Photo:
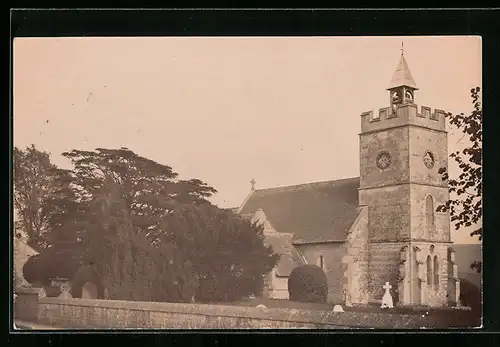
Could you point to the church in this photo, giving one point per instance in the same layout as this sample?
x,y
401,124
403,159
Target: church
x,y
379,227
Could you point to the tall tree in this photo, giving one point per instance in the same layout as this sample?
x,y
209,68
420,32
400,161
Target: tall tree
x,y
151,236
32,186
149,190
466,209
130,266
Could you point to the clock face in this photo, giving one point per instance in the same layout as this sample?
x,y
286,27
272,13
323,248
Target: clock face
x,y
383,160
429,160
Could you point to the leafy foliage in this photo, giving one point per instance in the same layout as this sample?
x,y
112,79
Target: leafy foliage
x,y
55,261
131,267
227,252
32,186
467,208
308,283
148,235
470,295
31,272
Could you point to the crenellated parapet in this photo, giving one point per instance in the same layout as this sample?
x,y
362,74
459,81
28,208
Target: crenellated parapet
x,y
407,114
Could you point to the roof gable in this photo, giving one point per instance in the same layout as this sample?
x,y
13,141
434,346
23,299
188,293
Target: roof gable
x,y
289,256
313,212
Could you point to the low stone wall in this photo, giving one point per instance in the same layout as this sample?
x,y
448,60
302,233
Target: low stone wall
x,y
90,313
26,303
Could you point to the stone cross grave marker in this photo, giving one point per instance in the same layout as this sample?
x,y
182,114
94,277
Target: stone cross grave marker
x,y
65,291
387,298
338,308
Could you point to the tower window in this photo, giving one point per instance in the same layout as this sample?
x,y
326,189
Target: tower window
x,y
436,273
429,211
429,270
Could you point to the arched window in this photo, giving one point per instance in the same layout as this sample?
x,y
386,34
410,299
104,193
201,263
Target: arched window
x,y
429,214
429,270
436,272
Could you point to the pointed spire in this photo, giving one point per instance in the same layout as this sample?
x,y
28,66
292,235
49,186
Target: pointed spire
x,y
402,76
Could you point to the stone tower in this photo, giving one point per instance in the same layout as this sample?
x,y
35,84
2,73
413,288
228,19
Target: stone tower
x,y
401,150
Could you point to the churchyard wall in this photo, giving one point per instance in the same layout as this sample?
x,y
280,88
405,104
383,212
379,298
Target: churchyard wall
x,y
90,313
26,303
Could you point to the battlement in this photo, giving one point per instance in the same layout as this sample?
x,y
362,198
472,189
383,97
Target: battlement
x,y
405,115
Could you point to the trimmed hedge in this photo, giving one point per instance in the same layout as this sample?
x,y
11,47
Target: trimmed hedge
x,y
52,262
308,283
31,272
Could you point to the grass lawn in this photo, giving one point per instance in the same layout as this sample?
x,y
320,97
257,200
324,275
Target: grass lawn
x,y
276,303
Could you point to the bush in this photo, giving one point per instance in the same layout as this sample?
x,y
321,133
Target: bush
x,y
227,253
470,295
31,271
52,262
308,283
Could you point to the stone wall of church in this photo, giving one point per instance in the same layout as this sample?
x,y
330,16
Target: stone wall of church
x,y
384,261
278,288
356,271
406,114
420,230
332,265
395,143
388,212
424,140
435,285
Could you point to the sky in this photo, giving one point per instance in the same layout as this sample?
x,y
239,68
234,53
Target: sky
x,y
226,110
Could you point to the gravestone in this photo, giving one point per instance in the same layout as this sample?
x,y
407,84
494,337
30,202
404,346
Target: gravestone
x,y
89,291
387,298
338,308
64,287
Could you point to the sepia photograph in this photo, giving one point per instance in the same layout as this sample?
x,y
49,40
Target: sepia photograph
x,y
247,182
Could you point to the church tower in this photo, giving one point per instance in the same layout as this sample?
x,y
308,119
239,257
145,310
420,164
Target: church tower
x,y
402,148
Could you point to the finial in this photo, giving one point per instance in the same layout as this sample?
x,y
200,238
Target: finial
x,y
402,48
253,183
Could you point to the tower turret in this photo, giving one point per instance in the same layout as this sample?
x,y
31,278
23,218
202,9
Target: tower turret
x,y
402,87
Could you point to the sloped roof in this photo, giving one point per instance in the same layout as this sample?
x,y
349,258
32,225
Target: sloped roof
x,y
289,256
402,76
313,212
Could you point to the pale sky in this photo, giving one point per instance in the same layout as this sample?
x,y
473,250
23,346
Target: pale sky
x,y
228,109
